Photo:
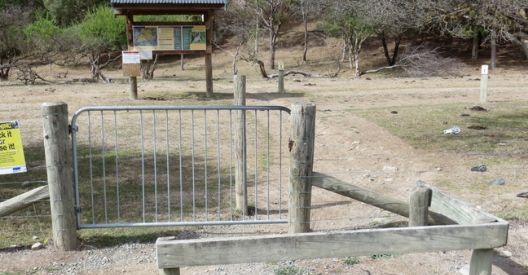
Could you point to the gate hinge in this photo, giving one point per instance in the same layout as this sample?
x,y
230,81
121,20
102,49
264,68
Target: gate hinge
x,y
73,128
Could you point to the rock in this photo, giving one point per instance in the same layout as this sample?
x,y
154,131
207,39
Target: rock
x,y
34,238
505,253
391,169
523,195
438,169
37,246
479,168
465,115
464,270
499,181
478,109
477,127
394,112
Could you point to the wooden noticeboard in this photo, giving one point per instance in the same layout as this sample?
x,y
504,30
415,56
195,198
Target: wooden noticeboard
x,y
170,38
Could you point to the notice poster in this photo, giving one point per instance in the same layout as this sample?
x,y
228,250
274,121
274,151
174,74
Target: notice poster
x,y
170,38
131,63
198,38
145,37
11,150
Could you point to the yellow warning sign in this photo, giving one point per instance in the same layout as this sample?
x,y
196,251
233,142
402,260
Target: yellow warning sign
x,y
11,150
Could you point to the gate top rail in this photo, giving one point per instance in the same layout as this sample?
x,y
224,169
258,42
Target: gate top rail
x,y
179,108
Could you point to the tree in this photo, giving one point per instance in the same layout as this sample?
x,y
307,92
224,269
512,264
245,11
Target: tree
x,y
102,37
273,14
307,9
13,42
66,12
344,19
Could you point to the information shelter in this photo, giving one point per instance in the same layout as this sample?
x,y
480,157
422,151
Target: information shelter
x,y
170,38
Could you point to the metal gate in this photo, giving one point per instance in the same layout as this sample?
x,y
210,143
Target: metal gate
x,y
174,165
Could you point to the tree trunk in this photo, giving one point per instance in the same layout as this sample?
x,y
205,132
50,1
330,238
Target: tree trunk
x,y
305,23
4,74
493,43
475,47
272,50
391,61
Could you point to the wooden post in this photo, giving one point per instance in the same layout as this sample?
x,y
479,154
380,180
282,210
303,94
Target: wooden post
x,y
170,271
240,147
301,144
182,64
481,262
484,84
57,148
132,92
419,205
281,81
209,17
132,80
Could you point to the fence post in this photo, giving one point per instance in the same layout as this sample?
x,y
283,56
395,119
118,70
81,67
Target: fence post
x,y
132,90
419,203
481,262
281,81
484,84
301,144
60,177
240,147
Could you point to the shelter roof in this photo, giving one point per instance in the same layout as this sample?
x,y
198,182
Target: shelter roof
x,y
165,6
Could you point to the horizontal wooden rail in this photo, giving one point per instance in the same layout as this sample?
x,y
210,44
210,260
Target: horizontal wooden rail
x,y
372,198
177,253
23,200
457,210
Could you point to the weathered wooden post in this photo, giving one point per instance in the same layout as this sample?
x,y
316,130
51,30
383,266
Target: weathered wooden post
x,y
209,19
132,90
419,203
240,147
484,84
481,260
60,177
281,81
301,144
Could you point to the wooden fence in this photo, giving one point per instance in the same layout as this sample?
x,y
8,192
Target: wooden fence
x,y
455,225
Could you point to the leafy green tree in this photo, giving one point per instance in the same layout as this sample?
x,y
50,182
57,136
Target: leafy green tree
x,y
13,42
66,12
101,38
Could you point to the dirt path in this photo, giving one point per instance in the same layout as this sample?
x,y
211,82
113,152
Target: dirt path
x,y
347,147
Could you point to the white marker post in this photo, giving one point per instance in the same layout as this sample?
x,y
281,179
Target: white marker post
x,y
484,84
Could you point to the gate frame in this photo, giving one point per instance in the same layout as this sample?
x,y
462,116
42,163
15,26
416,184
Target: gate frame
x,y
74,130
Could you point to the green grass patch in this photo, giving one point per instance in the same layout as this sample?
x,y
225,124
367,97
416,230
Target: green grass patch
x,y
504,133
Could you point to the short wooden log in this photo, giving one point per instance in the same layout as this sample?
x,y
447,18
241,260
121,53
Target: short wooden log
x,y
301,144
281,82
481,262
419,203
60,176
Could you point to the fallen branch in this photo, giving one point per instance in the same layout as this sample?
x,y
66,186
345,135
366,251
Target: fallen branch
x,y
379,69
290,73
